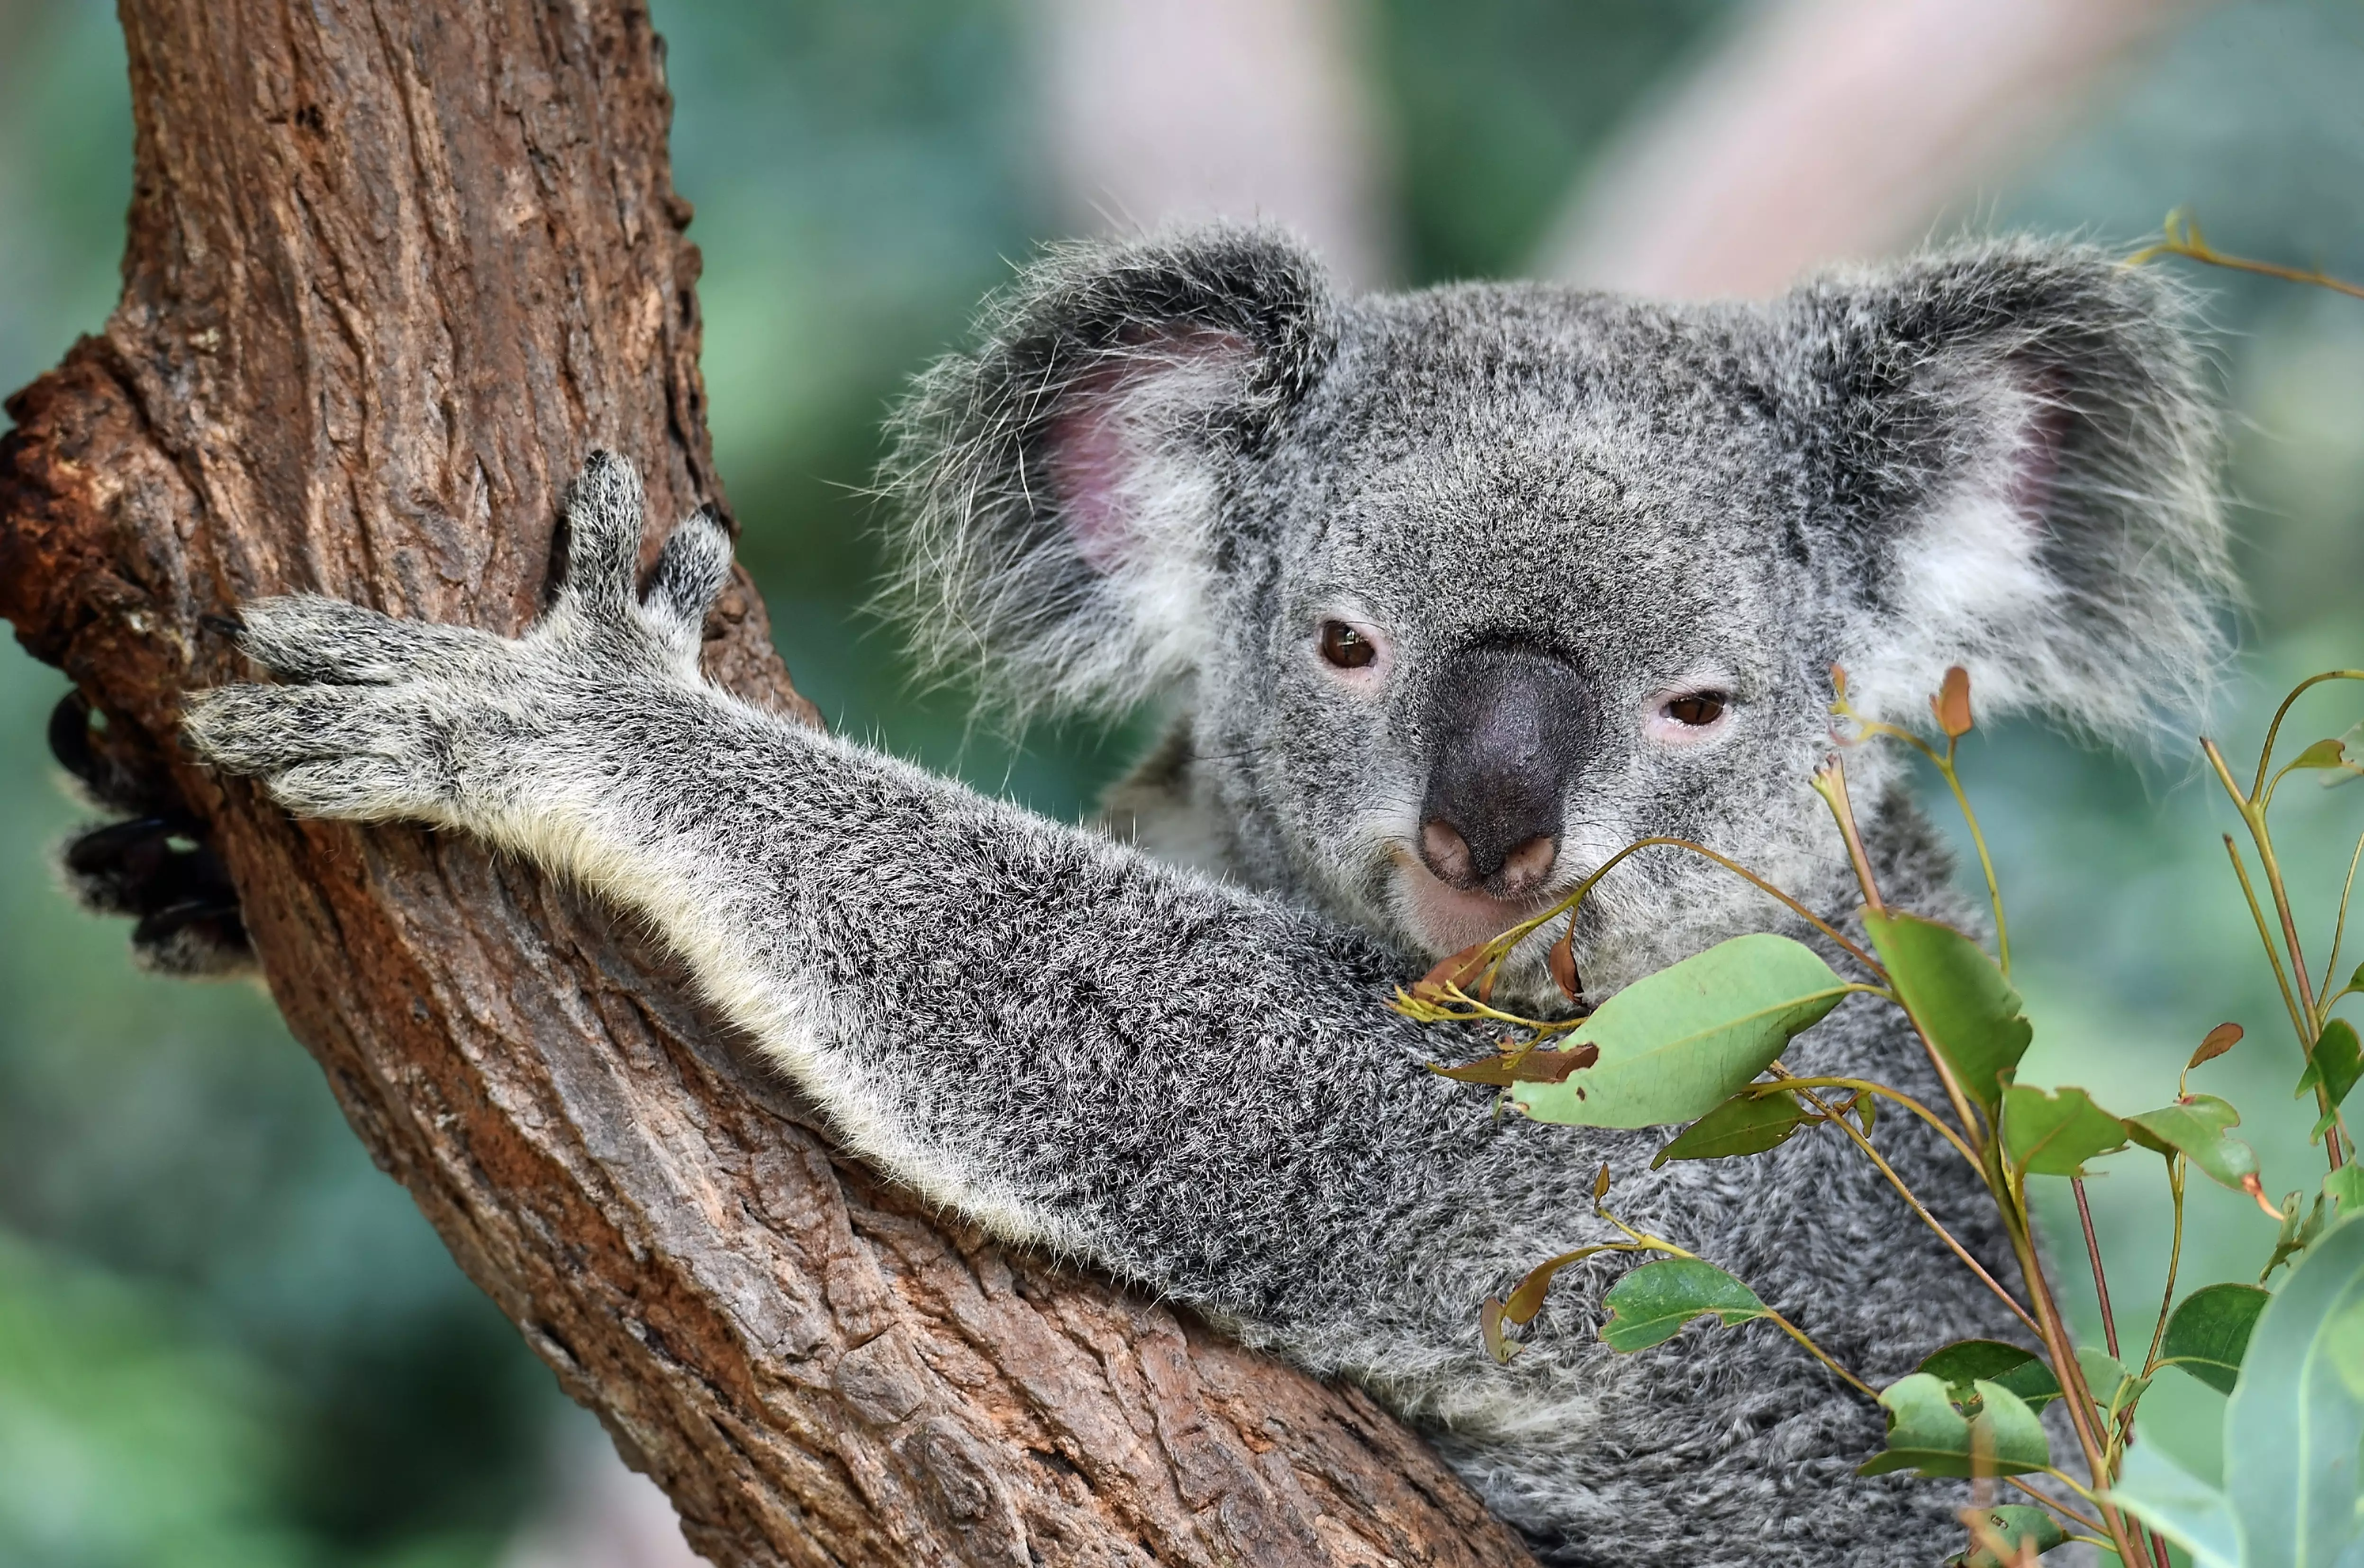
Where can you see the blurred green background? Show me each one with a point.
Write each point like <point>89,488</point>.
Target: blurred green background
<point>225,1338</point>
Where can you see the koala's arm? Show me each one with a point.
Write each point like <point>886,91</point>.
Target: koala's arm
<point>1195,1086</point>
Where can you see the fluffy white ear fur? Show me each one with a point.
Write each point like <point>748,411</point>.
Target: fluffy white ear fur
<point>1135,462</point>
<point>2068,547</point>
<point>1969,584</point>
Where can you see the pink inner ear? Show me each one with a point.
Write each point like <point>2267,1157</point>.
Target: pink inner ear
<point>1095,441</point>
<point>1089,469</point>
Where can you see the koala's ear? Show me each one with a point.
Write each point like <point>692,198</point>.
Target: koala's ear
<point>2008,462</point>
<point>1059,497</point>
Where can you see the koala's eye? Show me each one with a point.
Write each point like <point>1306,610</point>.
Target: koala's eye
<point>1345,647</point>
<point>1696,709</point>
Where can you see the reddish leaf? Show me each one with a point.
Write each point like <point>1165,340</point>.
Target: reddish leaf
<point>1535,1067</point>
<point>1562,960</point>
<point>2219,1040</point>
<point>1461,970</point>
<point>1952,704</point>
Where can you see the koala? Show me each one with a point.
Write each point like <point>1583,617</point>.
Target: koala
<point>1449,595</point>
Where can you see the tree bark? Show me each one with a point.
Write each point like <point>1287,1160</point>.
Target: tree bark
<point>393,267</point>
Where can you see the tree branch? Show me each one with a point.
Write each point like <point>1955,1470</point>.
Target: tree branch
<point>393,268</point>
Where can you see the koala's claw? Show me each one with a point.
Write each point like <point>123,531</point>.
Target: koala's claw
<point>383,718</point>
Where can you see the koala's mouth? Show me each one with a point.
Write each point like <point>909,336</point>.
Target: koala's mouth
<point>1446,919</point>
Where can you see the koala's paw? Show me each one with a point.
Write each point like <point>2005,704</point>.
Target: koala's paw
<point>154,865</point>
<point>380,718</point>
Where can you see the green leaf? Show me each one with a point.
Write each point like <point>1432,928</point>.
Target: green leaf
<point>2296,1419</point>
<point>2195,1127</point>
<point>2050,1135</point>
<point>1969,1361</point>
<point>2297,1233</point>
<point>1959,995</point>
<point>2210,1332</point>
<point>1744,1124</point>
<point>1650,1305</point>
<point>2345,1188</point>
<point>1674,1045</point>
<point>2322,754</point>
<point>2109,1380</point>
<point>1926,1433</point>
<point>2179,1505</point>
<point>2335,1062</point>
<point>2015,1523</point>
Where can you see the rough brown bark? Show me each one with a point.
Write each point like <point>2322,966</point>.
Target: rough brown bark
<point>393,268</point>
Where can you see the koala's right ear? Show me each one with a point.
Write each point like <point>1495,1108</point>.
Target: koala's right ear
<point>1058,497</point>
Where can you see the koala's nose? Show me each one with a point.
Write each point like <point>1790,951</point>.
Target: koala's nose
<point>1510,727</point>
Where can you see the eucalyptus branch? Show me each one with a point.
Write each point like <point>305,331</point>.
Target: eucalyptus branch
<point>2273,957</point>
<point>1519,933</point>
<point>2062,1352</point>
<point>1866,1086</point>
<point>2338,936</point>
<point>2055,1504</point>
<point>2274,729</point>
<point>2192,246</point>
<point>2093,1252</point>
<point>1815,1350</point>
<point>1944,763</point>
<point>2174,1261</point>
<point>1830,782</point>
<point>1914,1203</point>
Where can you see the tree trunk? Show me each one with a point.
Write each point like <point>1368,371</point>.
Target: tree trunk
<point>393,267</point>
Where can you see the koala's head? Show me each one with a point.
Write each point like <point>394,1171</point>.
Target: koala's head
<point>1461,590</point>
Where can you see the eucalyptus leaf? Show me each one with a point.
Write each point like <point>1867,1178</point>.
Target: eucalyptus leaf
<point>2012,1524</point>
<point>1926,1433</point>
<point>2054,1134</point>
<point>1674,1045</point>
<point>1959,997</point>
<point>2195,1127</point>
<point>2345,1188</point>
<point>2209,1332</point>
<point>2179,1505</point>
<point>2296,1419</point>
<point>2112,1384</point>
<point>1650,1305</point>
<point>1969,1361</point>
<point>1744,1124</point>
<point>2301,1226</point>
<point>2336,1061</point>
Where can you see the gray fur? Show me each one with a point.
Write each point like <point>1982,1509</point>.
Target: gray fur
<point>1192,1080</point>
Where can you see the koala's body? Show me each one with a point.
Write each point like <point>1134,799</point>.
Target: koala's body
<point>1453,596</point>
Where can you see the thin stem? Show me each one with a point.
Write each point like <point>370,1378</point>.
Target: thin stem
<point>2062,1352</point>
<point>1865,1086</point>
<point>1576,897</point>
<point>1913,1202</point>
<point>2339,935</point>
<point>2266,934</point>
<point>2074,1486</point>
<point>2093,1252</point>
<point>2265,757</point>
<point>1831,784</point>
<point>1986,862</point>
<point>1815,1350</point>
<point>2192,248</point>
<point>2055,1504</point>
<point>2174,1260</point>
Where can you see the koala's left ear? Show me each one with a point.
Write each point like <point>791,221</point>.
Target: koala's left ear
<point>2008,458</point>
<point>1061,498</point>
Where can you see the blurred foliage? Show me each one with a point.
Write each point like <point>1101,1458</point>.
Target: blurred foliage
<point>223,1332</point>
